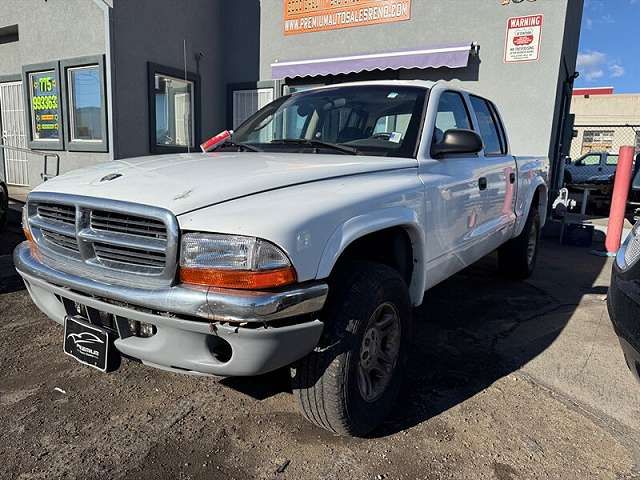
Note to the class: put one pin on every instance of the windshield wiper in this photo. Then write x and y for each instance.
(243, 146)
(316, 143)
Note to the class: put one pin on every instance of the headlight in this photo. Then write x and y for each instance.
(632, 250)
(230, 261)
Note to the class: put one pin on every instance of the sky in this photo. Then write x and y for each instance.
(608, 55)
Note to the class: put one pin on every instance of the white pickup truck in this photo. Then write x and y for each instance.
(304, 240)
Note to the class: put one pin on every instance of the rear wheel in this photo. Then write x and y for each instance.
(517, 258)
(348, 385)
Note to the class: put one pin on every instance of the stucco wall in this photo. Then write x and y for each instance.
(51, 31)
(617, 109)
(527, 93)
(153, 31)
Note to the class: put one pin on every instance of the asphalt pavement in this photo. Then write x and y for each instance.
(506, 381)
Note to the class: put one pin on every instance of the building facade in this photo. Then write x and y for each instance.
(88, 81)
(604, 122)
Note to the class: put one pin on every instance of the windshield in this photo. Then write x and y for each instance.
(368, 120)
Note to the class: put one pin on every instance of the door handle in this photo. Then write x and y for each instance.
(512, 178)
(482, 183)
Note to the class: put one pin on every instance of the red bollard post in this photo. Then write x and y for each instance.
(619, 199)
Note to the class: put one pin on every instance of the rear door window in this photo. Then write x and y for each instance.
(612, 159)
(488, 129)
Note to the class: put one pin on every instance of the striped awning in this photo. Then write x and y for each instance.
(451, 56)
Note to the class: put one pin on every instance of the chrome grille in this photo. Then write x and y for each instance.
(61, 241)
(57, 213)
(121, 242)
(128, 257)
(117, 222)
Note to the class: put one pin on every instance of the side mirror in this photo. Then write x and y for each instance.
(457, 141)
(567, 160)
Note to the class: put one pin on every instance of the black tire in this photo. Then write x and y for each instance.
(327, 383)
(4, 206)
(515, 259)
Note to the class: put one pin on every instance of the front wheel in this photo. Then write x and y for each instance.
(517, 258)
(348, 384)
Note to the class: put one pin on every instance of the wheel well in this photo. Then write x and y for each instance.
(391, 247)
(540, 200)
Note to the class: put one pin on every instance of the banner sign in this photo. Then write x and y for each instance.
(45, 105)
(523, 39)
(303, 16)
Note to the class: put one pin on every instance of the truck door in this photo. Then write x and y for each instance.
(610, 164)
(497, 215)
(452, 195)
(584, 168)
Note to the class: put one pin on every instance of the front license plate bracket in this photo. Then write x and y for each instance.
(89, 344)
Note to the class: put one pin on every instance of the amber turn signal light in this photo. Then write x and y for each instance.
(33, 246)
(238, 279)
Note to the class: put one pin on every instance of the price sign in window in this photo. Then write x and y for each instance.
(44, 96)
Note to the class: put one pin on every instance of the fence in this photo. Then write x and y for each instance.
(604, 138)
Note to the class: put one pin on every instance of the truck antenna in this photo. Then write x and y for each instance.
(184, 54)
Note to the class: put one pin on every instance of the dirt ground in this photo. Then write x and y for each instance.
(507, 381)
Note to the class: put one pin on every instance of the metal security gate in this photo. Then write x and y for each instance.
(248, 102)
(12, 127)
(245, 99)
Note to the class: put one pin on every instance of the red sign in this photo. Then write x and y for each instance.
(524, 35)
(523, 40)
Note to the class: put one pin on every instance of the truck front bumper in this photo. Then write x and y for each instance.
(190, 322)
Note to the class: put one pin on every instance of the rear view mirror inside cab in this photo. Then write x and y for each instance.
(304, 109)
(334, 103)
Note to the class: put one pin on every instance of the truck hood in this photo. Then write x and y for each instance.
(185, 182)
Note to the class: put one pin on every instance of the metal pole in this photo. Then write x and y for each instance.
(619, 199)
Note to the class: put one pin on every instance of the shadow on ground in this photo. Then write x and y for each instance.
(474, 329)
(9, 279)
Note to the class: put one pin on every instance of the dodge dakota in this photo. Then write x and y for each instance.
(303, 240)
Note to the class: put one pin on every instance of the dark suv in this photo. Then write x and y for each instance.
(592, 168)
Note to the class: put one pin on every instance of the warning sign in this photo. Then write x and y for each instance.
(523, 39)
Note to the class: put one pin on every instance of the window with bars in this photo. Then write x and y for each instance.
(247, 102)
